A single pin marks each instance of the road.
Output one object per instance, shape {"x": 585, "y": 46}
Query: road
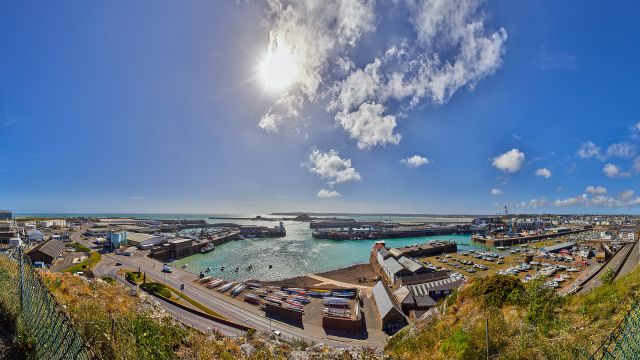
{"x": 632, "y": 261}
{"x": 231, "y": 309}
{"x": 618, "y": 261}
{"x": 198, "y": 322}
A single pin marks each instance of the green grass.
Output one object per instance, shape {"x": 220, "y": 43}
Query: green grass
{"x": 157, "y": 288}
{"x": 525, "y": 321}
{"x": 86, "y": 265}
{"x": 78, "y": 247}
{"x": 166, "y": 292}
{"x": 134, "y": 276}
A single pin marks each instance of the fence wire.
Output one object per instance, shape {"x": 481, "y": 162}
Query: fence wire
{"x": 624, "y": 342}
{"x": 54, "y": 336}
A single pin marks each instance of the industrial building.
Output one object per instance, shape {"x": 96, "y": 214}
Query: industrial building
{"x": 46, "y": 252}
{"x": 35, "y": 235}
{"x": 390, "y": 313}
{"x": 115, "y": 239}
{"x": 8, "y": 230}
{"x": 6, "y": 215}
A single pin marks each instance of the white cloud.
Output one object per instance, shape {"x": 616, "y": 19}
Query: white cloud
{"x": 626, "y": 194}
{"x": 136, "y": 197}
{"x": 451, "y": 50}
{"x": 415, "y": 161}
{"x": 509, "y": 162}
{"x": 572, "y": 201}
{"x": 543, "y": 172}
{"x": 589, "y": 150}
{"x": 636, "y": 165}
{"x": 623, "y": 149}
{"x": 369, "y": 126}
{"x": 331, "y": 167}
{"x": 637, "y": 126}
{"x": 625, "y": 199}
{"x": 612, "y": 171}
{"x": 324, "y": 193}
{"x": 314, "y": 32}
{"x": 496, "y": 192}
{"x": 595, "y": 190}
{"x": 538, "y": 203}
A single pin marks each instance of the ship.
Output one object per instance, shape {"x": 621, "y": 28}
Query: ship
{"x": 208, "y": 248}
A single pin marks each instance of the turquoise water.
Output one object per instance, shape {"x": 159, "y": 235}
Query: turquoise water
{"x": 293, "y": 255}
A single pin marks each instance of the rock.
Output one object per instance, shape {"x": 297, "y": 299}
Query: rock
{"x": 247, "y": 349}
{"x": 298, "y": 355}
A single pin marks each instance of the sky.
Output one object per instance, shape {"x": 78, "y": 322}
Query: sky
{"x": 383, "y": 106}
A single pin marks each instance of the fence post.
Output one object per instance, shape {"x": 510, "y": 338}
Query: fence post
{"x": 21, "y": 256}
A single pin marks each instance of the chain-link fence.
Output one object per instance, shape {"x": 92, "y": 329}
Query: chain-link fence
{"x": 47, "y": 324}
{"x": 624, "y": 342}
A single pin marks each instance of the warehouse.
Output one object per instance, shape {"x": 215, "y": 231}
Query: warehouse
{"x": 390, "y": 314}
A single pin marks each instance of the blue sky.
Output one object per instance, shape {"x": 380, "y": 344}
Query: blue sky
{"x": 254, "y": 107}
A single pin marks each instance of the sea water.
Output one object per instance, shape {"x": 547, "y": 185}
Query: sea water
{"x": 294, "y": 255}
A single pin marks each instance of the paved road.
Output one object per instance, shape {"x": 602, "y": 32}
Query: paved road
{"x": 229, "y": 308}
{"x": 616, "y": 262}
{"x": 198, "y": 322}
{"x": 632, "y": 261}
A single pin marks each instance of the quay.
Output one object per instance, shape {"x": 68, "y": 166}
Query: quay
{"x": 390, "y": 233}
{"x": 515, "y": 240}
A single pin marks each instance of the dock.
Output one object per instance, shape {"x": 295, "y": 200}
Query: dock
{"x": 515, "y": 240}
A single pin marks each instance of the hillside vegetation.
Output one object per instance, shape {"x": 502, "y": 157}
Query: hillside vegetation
{"x": 144, "y": 331}
{"x": 526, "y": 321}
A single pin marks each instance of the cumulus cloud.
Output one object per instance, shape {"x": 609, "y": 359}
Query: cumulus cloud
{"x": 538, "y": 203}
{"x": 368, "y": 126}
{"x": 324, "y": 193}
{"x": 623, "y": 149}
{"x": 509, "y": 162}
{"x": 496, "y": 192}
{"x": 572, "y": 201}
{"x": 415, "y": 161}
{"x": 636, "y": 165}
{"x": 595, "y": 190}
{"x": 613, "y": 170}
{"x": 331, "y": 167}
{"x": 625, "y": 199}
{"x": 589, "y": 150}
{"x": 543, "y": 172}
{"x": 451, "y": 50}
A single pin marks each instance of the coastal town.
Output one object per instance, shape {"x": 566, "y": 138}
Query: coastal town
{"x": 360, "y": 305}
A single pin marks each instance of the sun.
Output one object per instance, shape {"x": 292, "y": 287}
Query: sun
{"x": 279, "y": 69}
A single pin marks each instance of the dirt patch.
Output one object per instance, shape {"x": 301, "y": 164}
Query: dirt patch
{"x": 350, "y": 275}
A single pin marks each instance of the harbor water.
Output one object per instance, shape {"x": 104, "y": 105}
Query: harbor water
{"x": 294, "y": 255}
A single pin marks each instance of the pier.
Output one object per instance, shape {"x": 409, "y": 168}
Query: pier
{"x": 390, "y": 233}
{"x": 510, "y": 241}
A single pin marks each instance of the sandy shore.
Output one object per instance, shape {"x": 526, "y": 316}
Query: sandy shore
{"x": 349, "y": 275}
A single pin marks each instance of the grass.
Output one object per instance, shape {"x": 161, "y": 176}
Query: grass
{"x": 157, "y": 288}
{"x": 143, "y": 331}
{"x": 167, "y": 291}
{"x": 525, "y": 321}
{"x": 134, "y": 276}
{"x": 86, "y": 265}
{"x": 78, "y": 247}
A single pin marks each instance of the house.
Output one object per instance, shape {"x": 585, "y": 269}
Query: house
{"x": 46, "y": 252}
{"x": 390, "y": 313}
{"x": 628, "y": 233}
{"x": 35, "y": 235}
{"x": 436, "y": 289}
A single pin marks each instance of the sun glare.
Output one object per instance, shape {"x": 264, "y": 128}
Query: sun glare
{"x": 279, "y": 69}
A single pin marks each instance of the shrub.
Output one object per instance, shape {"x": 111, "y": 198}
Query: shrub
{"x": 497, "y": 290}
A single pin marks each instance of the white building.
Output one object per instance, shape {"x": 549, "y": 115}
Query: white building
{"x": 35, "y": 235}
{"x": 627, "y": 233}
{"x": 15, "y": 242}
